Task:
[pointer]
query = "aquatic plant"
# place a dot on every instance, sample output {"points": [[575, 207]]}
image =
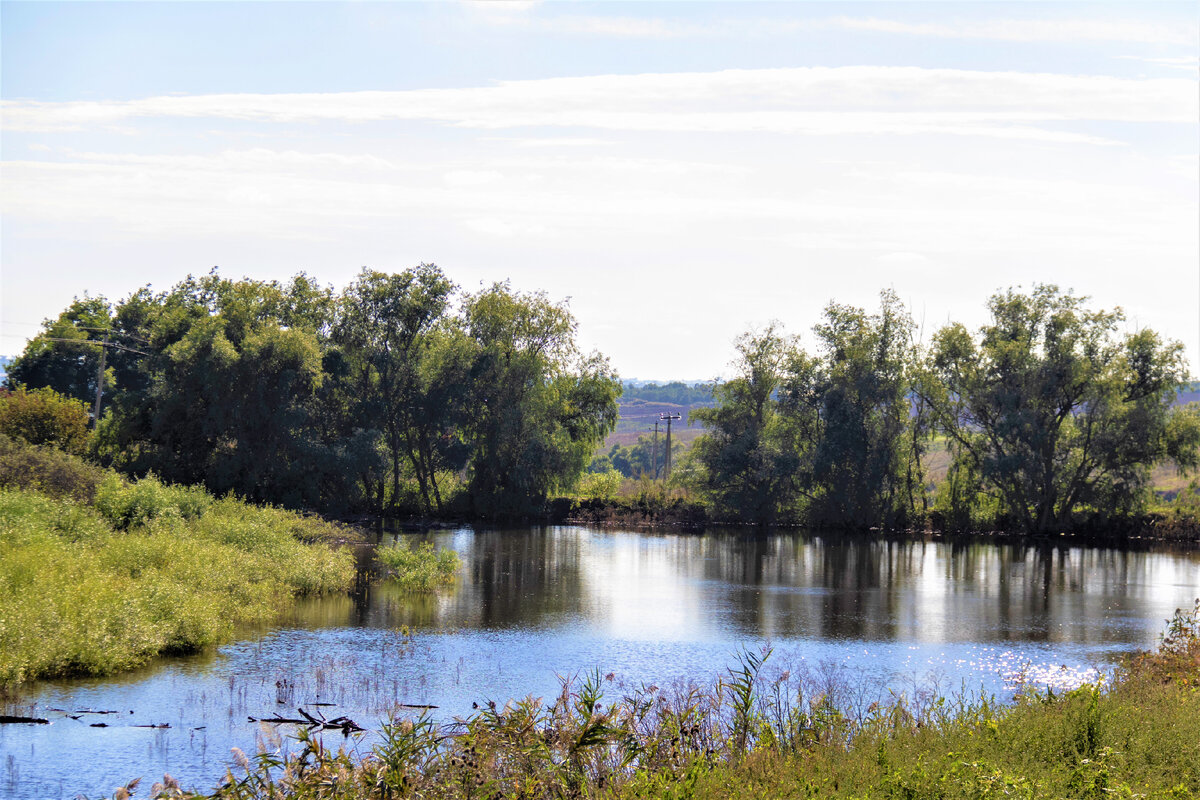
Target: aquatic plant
{"points": [[756, 733], [419, 569]]}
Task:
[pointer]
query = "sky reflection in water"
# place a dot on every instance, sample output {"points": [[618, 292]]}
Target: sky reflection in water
{"points": [[536, 604]]}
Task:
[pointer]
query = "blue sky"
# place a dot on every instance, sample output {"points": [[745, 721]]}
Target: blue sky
{"points": [[681, 171]]}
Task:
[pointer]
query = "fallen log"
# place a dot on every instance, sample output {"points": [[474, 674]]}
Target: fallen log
{"points": [[343, 724], [11, 720]]}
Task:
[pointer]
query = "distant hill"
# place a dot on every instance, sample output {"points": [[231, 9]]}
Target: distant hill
{"points": [[1190, 393], [642, 404]]}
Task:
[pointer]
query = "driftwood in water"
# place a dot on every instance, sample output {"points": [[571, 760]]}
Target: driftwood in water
{"points": [[8, 720], [343, 724], [413, 705]]}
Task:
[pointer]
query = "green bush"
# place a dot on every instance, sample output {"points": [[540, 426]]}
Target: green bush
{"points": [[599, 485], [127, 505], [43, 416]]}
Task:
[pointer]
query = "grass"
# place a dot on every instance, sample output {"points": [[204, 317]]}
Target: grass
{"points": [[753, 734], [144, 570], [420, 569]]}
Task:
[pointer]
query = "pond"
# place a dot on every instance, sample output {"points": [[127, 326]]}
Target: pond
{"points": [[537, 604]]}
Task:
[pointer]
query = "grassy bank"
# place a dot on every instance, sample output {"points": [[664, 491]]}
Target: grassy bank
{"points": [[98, 575], [755, 734]]}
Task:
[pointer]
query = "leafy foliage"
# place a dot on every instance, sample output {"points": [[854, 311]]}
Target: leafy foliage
{"points": [[43, 416], [419, 569], [380, 398], [1052, 412]]}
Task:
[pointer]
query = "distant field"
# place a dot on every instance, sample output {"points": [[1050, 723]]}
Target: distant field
{"points": [[638, 418]]}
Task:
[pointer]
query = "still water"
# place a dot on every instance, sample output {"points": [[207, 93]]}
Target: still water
{"points": [[537, 604]]}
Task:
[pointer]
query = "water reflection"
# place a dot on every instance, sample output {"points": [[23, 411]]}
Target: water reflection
{"points": [[793, 585], [535, 603]]}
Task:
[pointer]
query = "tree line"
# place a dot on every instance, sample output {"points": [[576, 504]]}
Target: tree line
{"points": [[1050, 416], [403, 395], [400, 394]]}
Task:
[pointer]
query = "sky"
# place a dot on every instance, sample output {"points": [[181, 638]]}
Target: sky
{"points": [[679, 172]]}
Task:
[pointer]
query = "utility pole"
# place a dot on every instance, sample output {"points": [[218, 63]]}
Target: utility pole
{"points": [[654, 453], [100, 382], [104, 345], [669, 418]]}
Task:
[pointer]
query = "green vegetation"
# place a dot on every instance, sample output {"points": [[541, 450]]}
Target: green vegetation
{"points": [[402, 395], [420, 569], [759, 734], [640, 459], [399, 395], [95, 585], [43, 416], [675, 392], [1052, 421]]}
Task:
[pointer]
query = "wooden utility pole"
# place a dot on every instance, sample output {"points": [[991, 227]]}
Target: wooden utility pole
{"points": [[668, 418], [100, 382], [654, 453], [104, 345]]}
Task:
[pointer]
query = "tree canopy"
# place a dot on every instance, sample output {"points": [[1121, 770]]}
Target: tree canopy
{"points": [[389, 396]]}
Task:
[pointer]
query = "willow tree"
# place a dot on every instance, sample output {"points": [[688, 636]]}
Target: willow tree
{"points": [[386, 327], [1054, 412], [539, 407], [756, 451]]}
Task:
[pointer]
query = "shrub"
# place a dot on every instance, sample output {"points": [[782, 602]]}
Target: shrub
{"points": [[43, 416], [128, 505], [49, 471], [599, 485]]}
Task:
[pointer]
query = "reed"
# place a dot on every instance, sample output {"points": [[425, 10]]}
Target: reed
{"points": [[752, 734]]}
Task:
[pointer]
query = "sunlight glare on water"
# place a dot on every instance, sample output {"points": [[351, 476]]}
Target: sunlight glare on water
{"points": [[535, 605]]}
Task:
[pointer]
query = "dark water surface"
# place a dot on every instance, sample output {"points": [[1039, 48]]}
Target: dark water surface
{"points": [[538, 603]]}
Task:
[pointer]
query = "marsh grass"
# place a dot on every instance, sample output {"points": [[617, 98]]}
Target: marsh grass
{"points": [[756, 734], [419, 569], [148, 569]]}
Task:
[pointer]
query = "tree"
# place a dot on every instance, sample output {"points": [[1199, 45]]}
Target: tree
{"points": [[1053, 412], [385, 327], [758, 435], [539, 407], [866, 470], [64, 366]]}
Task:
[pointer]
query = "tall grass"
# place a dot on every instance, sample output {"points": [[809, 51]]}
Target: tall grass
{"points": [[148, 570], [419, 569], [756, 735]]}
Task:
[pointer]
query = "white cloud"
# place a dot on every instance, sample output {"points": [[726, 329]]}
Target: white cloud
{"points": [[816, 101], [1033, 30], [1008, 30], [467, 177], [1188, 63]]}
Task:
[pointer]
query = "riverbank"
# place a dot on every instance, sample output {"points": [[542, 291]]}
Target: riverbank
{"points": [[99, 575], [754, 734]]}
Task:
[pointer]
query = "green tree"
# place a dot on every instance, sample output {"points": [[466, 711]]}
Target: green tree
{"points": [[539, 407], [68, 367], [756, 451], [866, 467], [386, 327], [1053, 412]]}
